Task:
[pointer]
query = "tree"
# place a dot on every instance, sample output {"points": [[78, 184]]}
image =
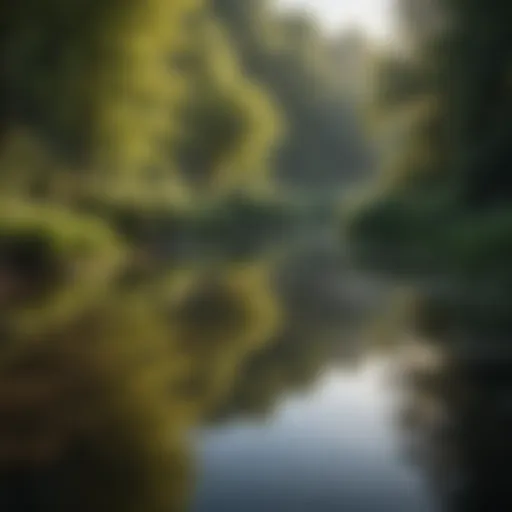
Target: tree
{"points": [[230, 126], [439, 216], [324, 143], [92, 78]]}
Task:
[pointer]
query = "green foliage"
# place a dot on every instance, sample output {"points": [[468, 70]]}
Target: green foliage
{"points": [[92, 77], [130, 129], [53, 264], [324, 144], [229, 124], [441, 217]]}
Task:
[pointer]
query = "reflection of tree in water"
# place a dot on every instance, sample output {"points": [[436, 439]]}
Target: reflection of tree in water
{"points": [[96, 400], [288, 364], [219, 324], [96, 417], [84, 421], [315, 332], [457, 416]]}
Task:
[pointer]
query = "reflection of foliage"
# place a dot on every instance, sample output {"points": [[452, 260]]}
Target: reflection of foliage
{"points": [[93, 401], [109, 398], [314, 334], [459, 422], [289, 364], [219, 324]]}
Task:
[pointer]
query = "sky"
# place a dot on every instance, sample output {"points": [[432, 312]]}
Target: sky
{"points": [[374, 16]]}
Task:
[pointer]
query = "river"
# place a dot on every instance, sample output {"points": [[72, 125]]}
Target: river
{"points": [[276, 398], [332, 448]]}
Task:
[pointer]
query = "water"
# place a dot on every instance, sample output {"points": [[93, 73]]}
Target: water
{"points": [[346, 434], [330, 449], [271, 398]]}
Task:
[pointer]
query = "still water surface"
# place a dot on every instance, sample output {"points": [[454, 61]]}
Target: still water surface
{"points": [[275, 405], [335, 447]]}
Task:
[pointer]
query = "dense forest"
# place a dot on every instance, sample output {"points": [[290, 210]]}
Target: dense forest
{"points": [[438, 216], [128, 127]]}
